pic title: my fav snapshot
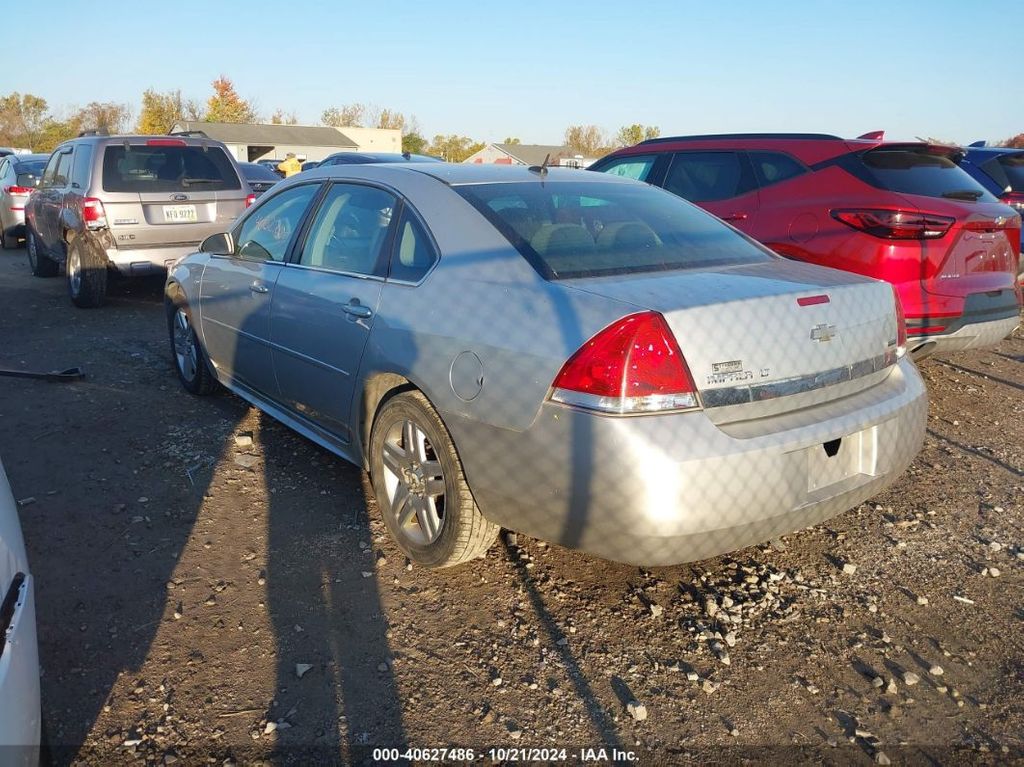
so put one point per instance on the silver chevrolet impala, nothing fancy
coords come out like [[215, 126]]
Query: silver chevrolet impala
[[581, 358]]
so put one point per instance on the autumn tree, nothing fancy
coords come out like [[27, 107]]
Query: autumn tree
[[344, 116], [281, 118], [22, 118], [587, 140], [454, 148], [160, 112], [1017, 142], [226, 106], [635, 133], [104, 116]]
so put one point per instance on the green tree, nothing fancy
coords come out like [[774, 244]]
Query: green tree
[[414, 143], [104, 116], [454, 148], [54, 132], [635, 133], [22, 120], [344, 116], [511, 140], [226, 106], [587, 140], [160, 111]]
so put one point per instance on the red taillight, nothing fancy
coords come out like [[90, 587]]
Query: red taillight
[[18, 189], [901, 324], [632, 366], [250, 199], [165, 142], [1014, 199], [896, 224], [93, 214]]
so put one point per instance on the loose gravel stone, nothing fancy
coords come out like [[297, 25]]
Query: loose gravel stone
[[936, 670], [910, 678], [637, 710], [849, 568]]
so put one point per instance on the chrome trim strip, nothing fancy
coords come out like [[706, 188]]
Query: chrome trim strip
[[742, 395]]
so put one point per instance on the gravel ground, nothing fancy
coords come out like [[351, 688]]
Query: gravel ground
[[206, 597]]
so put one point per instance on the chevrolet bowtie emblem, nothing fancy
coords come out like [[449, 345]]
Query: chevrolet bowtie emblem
[[823, 332]]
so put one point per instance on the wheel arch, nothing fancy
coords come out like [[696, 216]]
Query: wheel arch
[[379, 388]]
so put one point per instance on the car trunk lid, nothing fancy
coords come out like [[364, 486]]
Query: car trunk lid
[[771, 337]]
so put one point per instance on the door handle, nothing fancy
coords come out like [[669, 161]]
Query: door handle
[[738, 216], [259, 287], [357, 310]]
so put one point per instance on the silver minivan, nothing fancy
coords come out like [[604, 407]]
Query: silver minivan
[[131, 203]]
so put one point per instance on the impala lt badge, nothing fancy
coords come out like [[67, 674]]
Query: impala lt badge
[[823, 332]]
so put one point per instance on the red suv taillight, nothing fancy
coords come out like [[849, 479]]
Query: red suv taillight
[[898, 346], [1014, 199], [18, 189], [632, 366], [895, 224], [93, 214], [250, 199]]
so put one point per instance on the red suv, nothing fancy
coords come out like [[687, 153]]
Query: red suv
[[901, 212]]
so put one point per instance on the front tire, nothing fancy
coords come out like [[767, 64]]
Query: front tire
[[189, 359], [42, 265], [86, 274], [420, 486]]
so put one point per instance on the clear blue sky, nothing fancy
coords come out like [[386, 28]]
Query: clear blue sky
[[490, 70]]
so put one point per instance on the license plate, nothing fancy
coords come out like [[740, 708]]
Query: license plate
[[175, 214]]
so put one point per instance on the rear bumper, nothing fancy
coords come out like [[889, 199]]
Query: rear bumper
[[660, 490], [986, 320], [138, 262], [19, 683]]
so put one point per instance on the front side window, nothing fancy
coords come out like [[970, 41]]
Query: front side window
[[51, 170], [591, 229], [635, 166], [773, 167], [349, 230], [708, 176], [62, 176], [266, 234]]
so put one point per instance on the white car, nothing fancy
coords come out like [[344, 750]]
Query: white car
[[19, 654]]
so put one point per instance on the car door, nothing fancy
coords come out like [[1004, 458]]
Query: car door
[[51, 193], [237, 288], [721, 182], [325, 302]]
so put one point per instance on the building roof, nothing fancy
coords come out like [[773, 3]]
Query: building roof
[[534, 154], [269, 135]]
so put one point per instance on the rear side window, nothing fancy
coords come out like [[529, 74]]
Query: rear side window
[[590, 229], [635, 166], [349, 230], [1007, 170], [773, 167], [413, 255], [146, 168], [708, 176], [920, 171], [80, 172]]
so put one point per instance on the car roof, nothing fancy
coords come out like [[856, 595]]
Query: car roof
[[458, 174], [992, 150], [17, 158]]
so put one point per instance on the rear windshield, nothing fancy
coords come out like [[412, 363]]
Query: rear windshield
[[919, 171], [590, 229], [29, 173], [1007, 170], [254, 172], [143, 168]]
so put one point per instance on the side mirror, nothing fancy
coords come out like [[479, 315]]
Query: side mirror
[[219, 244]]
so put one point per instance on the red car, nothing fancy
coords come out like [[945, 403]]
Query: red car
[[901, 212]]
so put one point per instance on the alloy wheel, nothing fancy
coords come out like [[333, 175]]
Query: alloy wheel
[[74, 271], [185, 354], [414, 483]]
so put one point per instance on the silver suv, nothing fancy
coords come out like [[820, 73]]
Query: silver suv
[[132, 203]]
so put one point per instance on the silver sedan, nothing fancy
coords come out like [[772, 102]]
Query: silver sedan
[[584, 359]]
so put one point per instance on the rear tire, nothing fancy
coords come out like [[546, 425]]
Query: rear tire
[[187, 353], [86, 274], [42, 265], [421, 490]]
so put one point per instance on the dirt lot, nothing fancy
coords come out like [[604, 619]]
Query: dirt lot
[[202, 600]]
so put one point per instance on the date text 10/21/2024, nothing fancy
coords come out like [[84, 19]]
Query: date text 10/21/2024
[[504, 754]]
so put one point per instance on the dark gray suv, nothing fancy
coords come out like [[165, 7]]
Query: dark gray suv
[[131, 203]]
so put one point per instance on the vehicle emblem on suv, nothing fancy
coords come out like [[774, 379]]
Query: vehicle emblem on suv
[[179, 197], [823, 332]]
